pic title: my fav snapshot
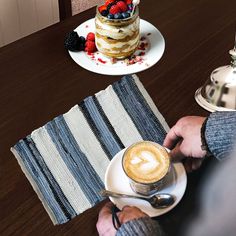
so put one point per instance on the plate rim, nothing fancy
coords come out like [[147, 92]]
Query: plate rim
[[85, 62]]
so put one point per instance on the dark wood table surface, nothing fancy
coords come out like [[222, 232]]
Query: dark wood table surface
[[39, 80]]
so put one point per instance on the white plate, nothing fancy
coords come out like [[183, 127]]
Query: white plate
[[117, 181], [153, 52]]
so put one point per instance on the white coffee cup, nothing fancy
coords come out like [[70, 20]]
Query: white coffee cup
[[146, 164]]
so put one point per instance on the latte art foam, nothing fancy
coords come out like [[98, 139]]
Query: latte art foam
[[146, 162]]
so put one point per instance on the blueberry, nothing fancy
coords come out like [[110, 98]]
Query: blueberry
[[118, 16], [110, 16], [125, 15], [81, 43], [81, 47], [129, 11], [82, 40], [104, 12]]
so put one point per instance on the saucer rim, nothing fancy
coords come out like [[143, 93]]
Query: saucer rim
[[179, 182]]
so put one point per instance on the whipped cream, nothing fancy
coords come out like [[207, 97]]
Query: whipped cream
[[136, 2], [116, 32]]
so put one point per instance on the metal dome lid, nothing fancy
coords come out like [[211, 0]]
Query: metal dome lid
[[219, 92]]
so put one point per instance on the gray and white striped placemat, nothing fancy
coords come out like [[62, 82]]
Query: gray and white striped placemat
[[66, 159]]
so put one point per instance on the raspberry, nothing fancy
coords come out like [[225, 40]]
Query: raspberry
[[108, 2], [90, 37], [102, 8], [128, 2], [115, 9], [90, 46], [122, 6], [110, 5]]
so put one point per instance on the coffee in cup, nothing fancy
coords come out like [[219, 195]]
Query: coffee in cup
[[146, 164]]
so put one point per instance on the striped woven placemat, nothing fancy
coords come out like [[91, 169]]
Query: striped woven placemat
[[66, 159]]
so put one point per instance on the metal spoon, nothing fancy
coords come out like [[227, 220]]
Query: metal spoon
[[160, 200]]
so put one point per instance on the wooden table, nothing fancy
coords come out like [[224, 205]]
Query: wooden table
[[39, 81]]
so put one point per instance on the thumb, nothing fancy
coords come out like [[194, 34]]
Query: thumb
[[106, 209]]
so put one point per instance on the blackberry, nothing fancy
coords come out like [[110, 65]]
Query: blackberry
[[72, 41]]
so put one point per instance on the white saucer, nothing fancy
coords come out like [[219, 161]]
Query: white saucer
[[117, 181], [153, 52]]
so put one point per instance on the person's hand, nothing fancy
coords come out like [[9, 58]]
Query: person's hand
[[184, 141], [104, 224]]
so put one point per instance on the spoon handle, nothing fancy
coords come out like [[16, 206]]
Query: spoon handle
[[106, 193]]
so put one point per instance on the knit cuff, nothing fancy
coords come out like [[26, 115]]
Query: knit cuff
[[220, 133], [144, 226], [204, 145]]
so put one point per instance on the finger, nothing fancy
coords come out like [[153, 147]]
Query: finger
[[171, 138], [196, 163], [176, 153], [106, 210], [127, 208], [188, 165], [132, 210]]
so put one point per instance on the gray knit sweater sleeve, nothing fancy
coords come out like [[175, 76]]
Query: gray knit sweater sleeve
[[142, 227], [220, 133]]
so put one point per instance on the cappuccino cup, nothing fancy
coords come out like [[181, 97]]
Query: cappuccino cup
[[146, 164]]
